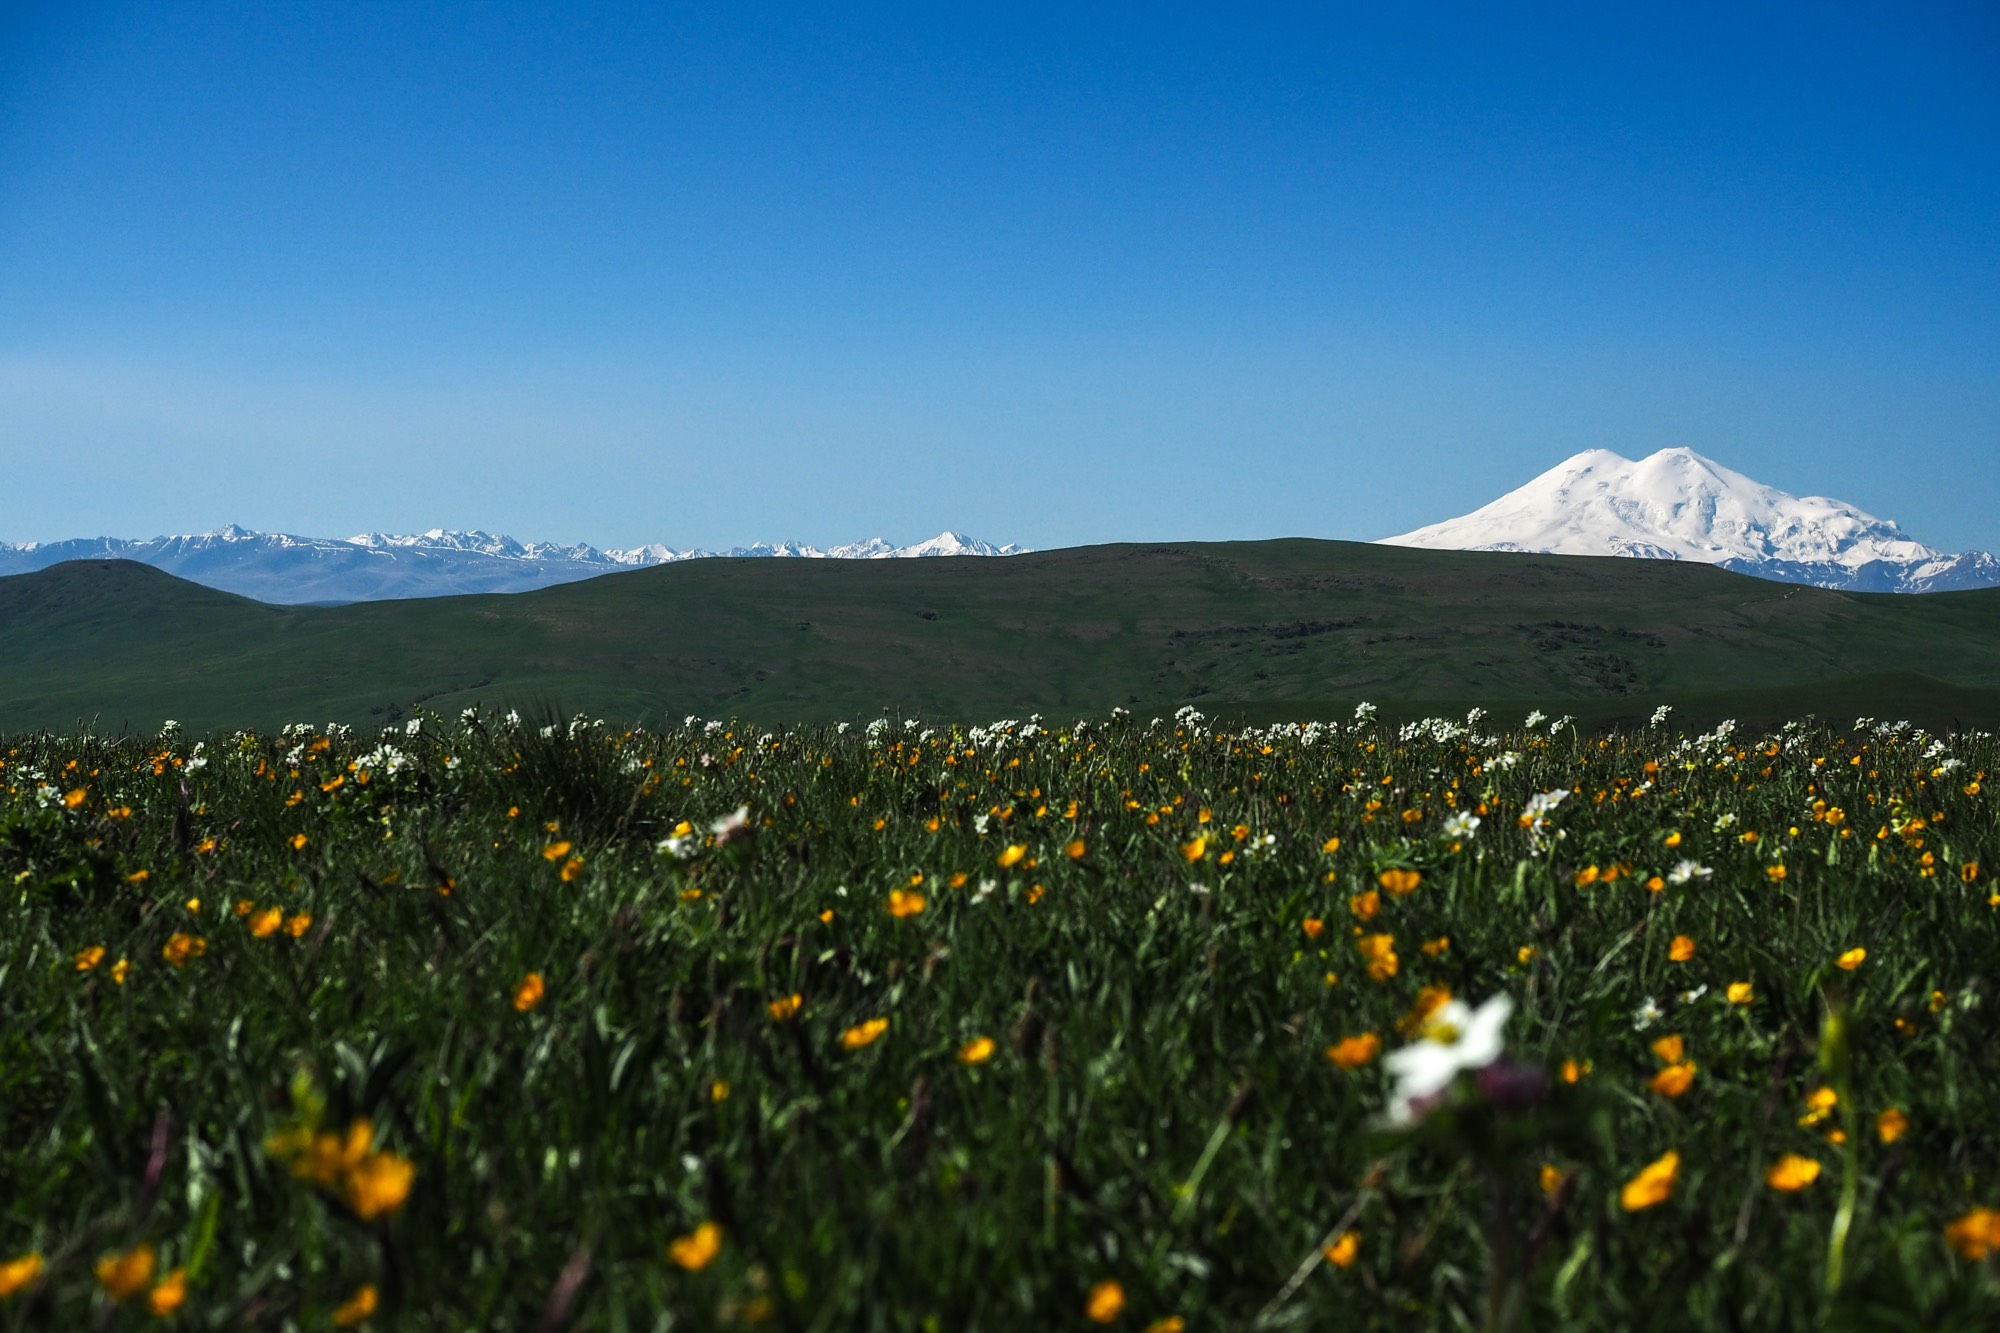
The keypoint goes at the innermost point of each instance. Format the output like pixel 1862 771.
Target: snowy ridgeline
pixel 272 567
pixel 1677 505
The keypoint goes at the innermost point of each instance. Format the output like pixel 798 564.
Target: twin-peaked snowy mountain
pixel 272 567
pixel 1677 505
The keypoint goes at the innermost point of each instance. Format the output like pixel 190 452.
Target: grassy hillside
pixel 1264 629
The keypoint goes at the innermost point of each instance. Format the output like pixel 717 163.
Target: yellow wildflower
pixel 124 1276
pixel 88 958
pixel 903 903
pixel 1380 951
pixel 1674 1080
pixel 1682 949
pixel 378 1184
pixel 1852 959
pixel 1653 1185
pixel 696 1250
pixel 784 1008
pixel 357 1308
pixel 182 946
pixel 18 1273
pixel 1741 992
pixel 1976 1235
pixel 168 1296
pixel 1354 1052
pixel 1792 1173
pixel 529 993
pixel 1400 882
pixel 1344 1250
pixel 266 922
pixel 864 1034
pixel 1106 1302
pixel 1891 1125
pixel 976 1052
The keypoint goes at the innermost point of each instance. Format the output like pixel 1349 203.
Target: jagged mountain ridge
pixel 1678 505
pixel 374 566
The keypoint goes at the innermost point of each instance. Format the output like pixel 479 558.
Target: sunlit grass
pixel 476 1023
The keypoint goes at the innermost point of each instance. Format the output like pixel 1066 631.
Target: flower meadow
pixel 1158 1024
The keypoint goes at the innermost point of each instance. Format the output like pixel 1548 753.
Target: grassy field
pixel 1291 629
pixel 476 1023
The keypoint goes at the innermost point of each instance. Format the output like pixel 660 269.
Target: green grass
pixel 1160 1110
pixel 1276 629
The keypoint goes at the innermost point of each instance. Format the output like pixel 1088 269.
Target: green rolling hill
pixel 1262 630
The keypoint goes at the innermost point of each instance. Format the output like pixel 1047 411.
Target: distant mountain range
pixel 286 570
pixel 1677 505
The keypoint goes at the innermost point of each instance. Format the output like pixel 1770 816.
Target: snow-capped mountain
pixel 374 566
pixel 1677 505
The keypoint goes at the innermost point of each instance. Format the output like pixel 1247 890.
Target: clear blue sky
pixel 588 272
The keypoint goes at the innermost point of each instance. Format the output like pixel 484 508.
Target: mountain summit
pixel 375 566
pixel 1678 505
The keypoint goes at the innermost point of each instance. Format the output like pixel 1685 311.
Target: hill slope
pixel 1284 627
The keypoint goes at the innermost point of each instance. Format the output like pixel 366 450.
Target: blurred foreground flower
pixel 696 1250
pixel 1653 1185
pixel 18 1273
pixel 373 1183
pixel 1454 1038
pixel 529 993
pixel 169 1295
pixel 358 1307
pixel 864 1034
pixel 1354 1052
pixel 1792 1173
pixel 124 1276
pixel 1976 1235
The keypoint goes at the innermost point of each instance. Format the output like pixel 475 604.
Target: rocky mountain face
pixel 1678 505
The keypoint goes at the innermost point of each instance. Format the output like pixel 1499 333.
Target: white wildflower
pixel 1455 1038
pixel 731 826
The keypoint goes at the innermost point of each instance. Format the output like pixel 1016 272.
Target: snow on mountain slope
pixel 1677 505
pixel 274 567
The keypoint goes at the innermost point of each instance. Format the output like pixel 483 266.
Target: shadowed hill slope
pixel 1277 629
